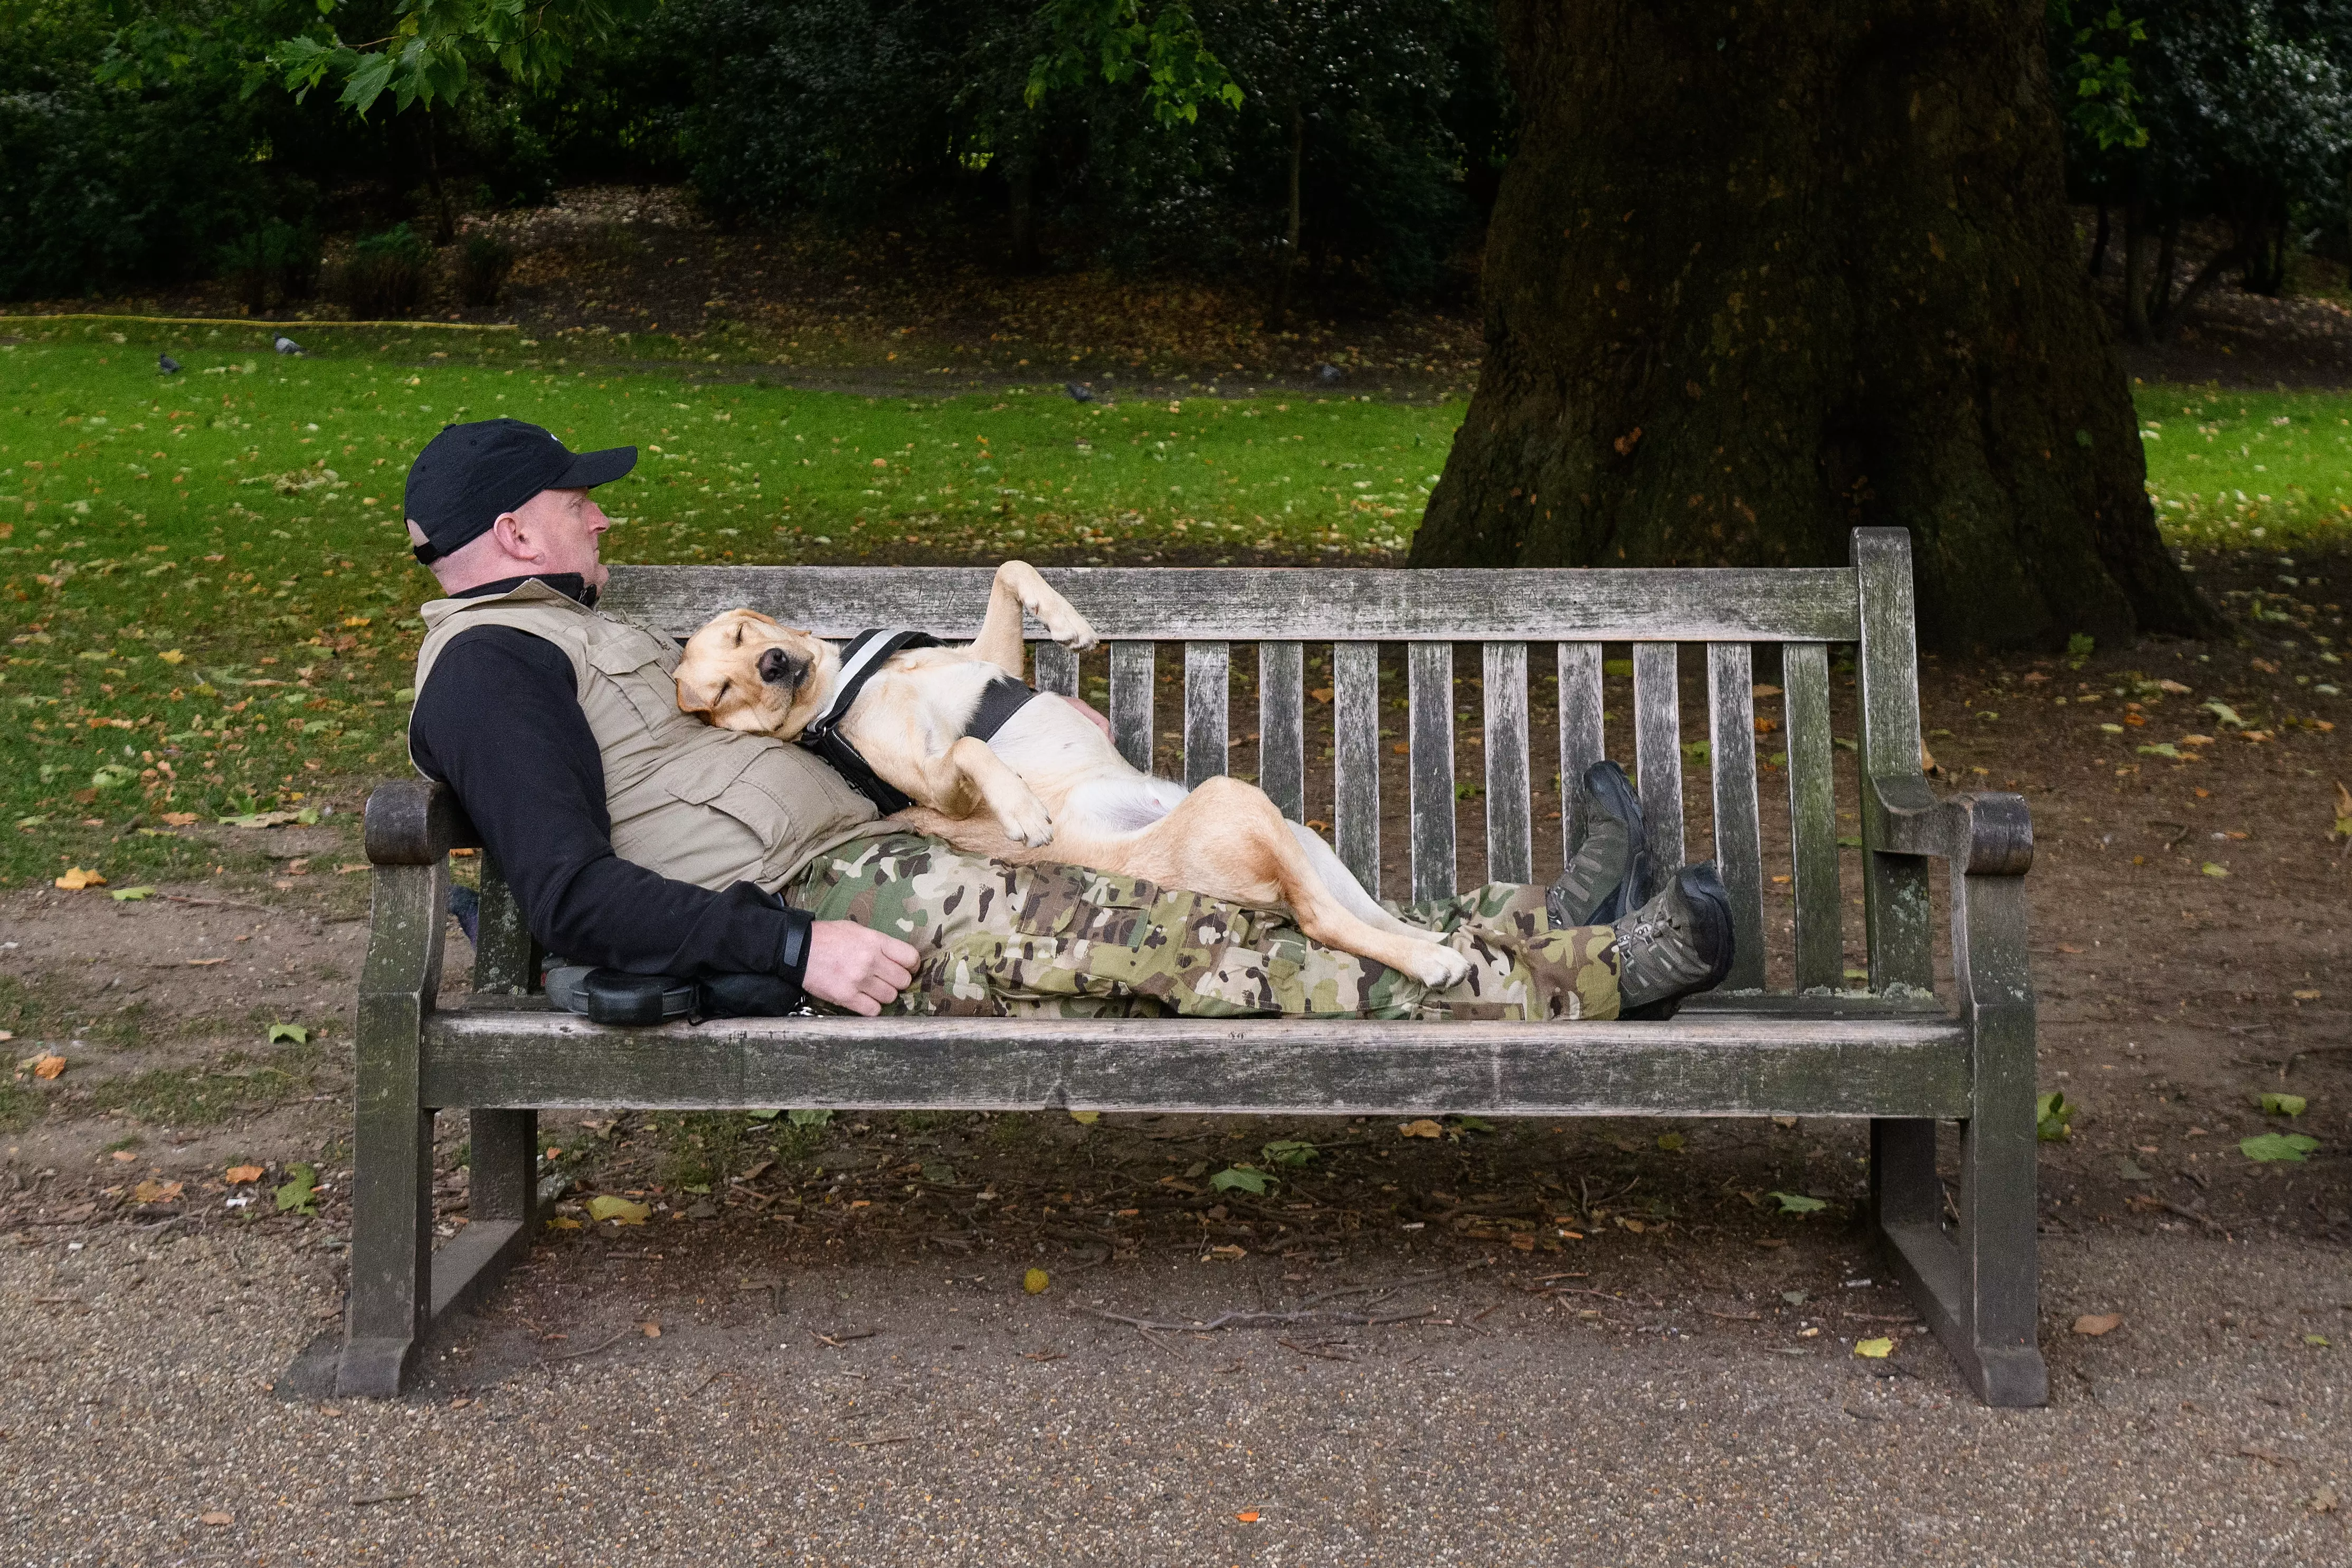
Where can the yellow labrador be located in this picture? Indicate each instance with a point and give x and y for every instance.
(1048, 784)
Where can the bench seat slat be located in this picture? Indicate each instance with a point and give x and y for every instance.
(1720, 1062)
(1247, 604)
(1057, 670)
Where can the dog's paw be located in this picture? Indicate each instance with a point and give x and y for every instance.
(1067, 627)
(1027, 824)
(1440, 967)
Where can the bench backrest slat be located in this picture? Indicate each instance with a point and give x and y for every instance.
(1356, 760)
(1738, 836)
(1208, 685)
(1581, 742)
(1282, 726)
(1297, 618)
(1658, 749)
(1429, 766)
(1812, 816)
(1510, 846)
(1134, 666)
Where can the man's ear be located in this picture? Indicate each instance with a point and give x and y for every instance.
(508, 528)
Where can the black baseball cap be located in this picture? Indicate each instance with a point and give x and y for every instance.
(469, 475)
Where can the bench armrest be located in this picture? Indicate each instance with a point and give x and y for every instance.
(415, 822)
(1982, 834)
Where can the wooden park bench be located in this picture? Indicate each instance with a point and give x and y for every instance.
(1893, 1052)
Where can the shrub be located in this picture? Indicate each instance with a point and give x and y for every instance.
(384, 278)
(483, 265)
(277, 257)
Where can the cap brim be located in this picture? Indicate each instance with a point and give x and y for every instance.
(589, 469)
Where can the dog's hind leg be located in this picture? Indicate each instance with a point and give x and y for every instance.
(1229, 840)
(1343, 885)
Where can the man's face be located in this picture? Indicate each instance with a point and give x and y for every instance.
(557, 531)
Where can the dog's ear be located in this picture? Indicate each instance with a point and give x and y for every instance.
(754, 614)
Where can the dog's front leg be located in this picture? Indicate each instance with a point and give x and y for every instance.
(1018, 588)
(1018, 811)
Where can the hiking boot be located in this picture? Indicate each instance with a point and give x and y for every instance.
(1604, 878)
(1678, 943)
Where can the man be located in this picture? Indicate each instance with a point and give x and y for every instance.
(639, 839)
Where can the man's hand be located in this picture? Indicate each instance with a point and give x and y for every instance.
(854, 966)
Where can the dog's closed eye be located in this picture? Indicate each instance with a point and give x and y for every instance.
(722, 693)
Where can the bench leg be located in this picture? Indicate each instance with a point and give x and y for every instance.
(501, 1214)
(392, 1137)
(1979, 1288)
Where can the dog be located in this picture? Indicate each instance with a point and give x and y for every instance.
(1048, 784)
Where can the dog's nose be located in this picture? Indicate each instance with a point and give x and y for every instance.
(779, 668)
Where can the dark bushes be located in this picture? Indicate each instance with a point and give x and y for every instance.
(384, 278)
(483, 265)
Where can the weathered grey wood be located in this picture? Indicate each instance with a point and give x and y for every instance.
(1250, 604)
(1134, 666)
(1658, 752)
(1893, 886)
(469, 1267)
(1208, 688)
(1719, 1063)
(391, 1134)
(1355, 761)
(1429, 768)
(1581, 741)
(502, 1172)
(1282, 726)
(1819, 907)
(413, 822)
(1738, 839)
(506, 956)
(1057, 669)
(1510, 801)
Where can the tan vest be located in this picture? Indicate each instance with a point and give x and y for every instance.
(712, 807)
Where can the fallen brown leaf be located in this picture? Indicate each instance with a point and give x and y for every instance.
(2094, 1324)
(48, 1066)
(215, 1518)
(237, 1175)
(1424, 1128)
(153, 1191)
(75, 879)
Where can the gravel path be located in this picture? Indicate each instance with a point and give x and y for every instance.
(151, 1417)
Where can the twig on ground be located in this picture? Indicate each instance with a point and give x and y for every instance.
(368, 1499)
(1298, 1318)
(216, 902)
(872, 1442)
(618, 1336)
(838, 1341)
(1320, 1352)
(2187, 1213)
(1735, 1317)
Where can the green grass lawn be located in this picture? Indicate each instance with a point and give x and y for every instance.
(209, 603)
(2239, 468)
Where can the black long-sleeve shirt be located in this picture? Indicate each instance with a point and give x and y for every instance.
(500, 723)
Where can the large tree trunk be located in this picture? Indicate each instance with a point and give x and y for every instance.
(1759, 274)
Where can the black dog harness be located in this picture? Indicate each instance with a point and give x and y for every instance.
(860, 661)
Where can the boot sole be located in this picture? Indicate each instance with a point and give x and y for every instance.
(1710, 907)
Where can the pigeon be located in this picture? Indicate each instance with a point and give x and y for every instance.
(167, 365)
(287, 345)
(1329, 373)
(1077, 394)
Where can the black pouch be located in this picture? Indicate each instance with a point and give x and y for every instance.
(616, 997)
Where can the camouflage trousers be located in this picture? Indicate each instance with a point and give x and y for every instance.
(1061, 941)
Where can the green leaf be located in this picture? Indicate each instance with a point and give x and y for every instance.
(763, 1115)
(300, 1193)
(1698, 751)
(2161, 748)
(2270, 1146)
(940, 1171)
(2283, 1104)
(286, 1032)
(1240, 1178)
(1471, 1125)
(1671, 1142)
(808, 1118)
(2223, 712)
(2216, 871)
(2052, 1112)
(1618, 667)
(2128, 1169)
(132, 894)
(2080, 645)
(620, 1211)
(1288, 1152)
(1798, 1203)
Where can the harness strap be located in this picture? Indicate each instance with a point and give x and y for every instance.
(860, 662)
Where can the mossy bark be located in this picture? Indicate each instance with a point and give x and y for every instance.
(1762, 273)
